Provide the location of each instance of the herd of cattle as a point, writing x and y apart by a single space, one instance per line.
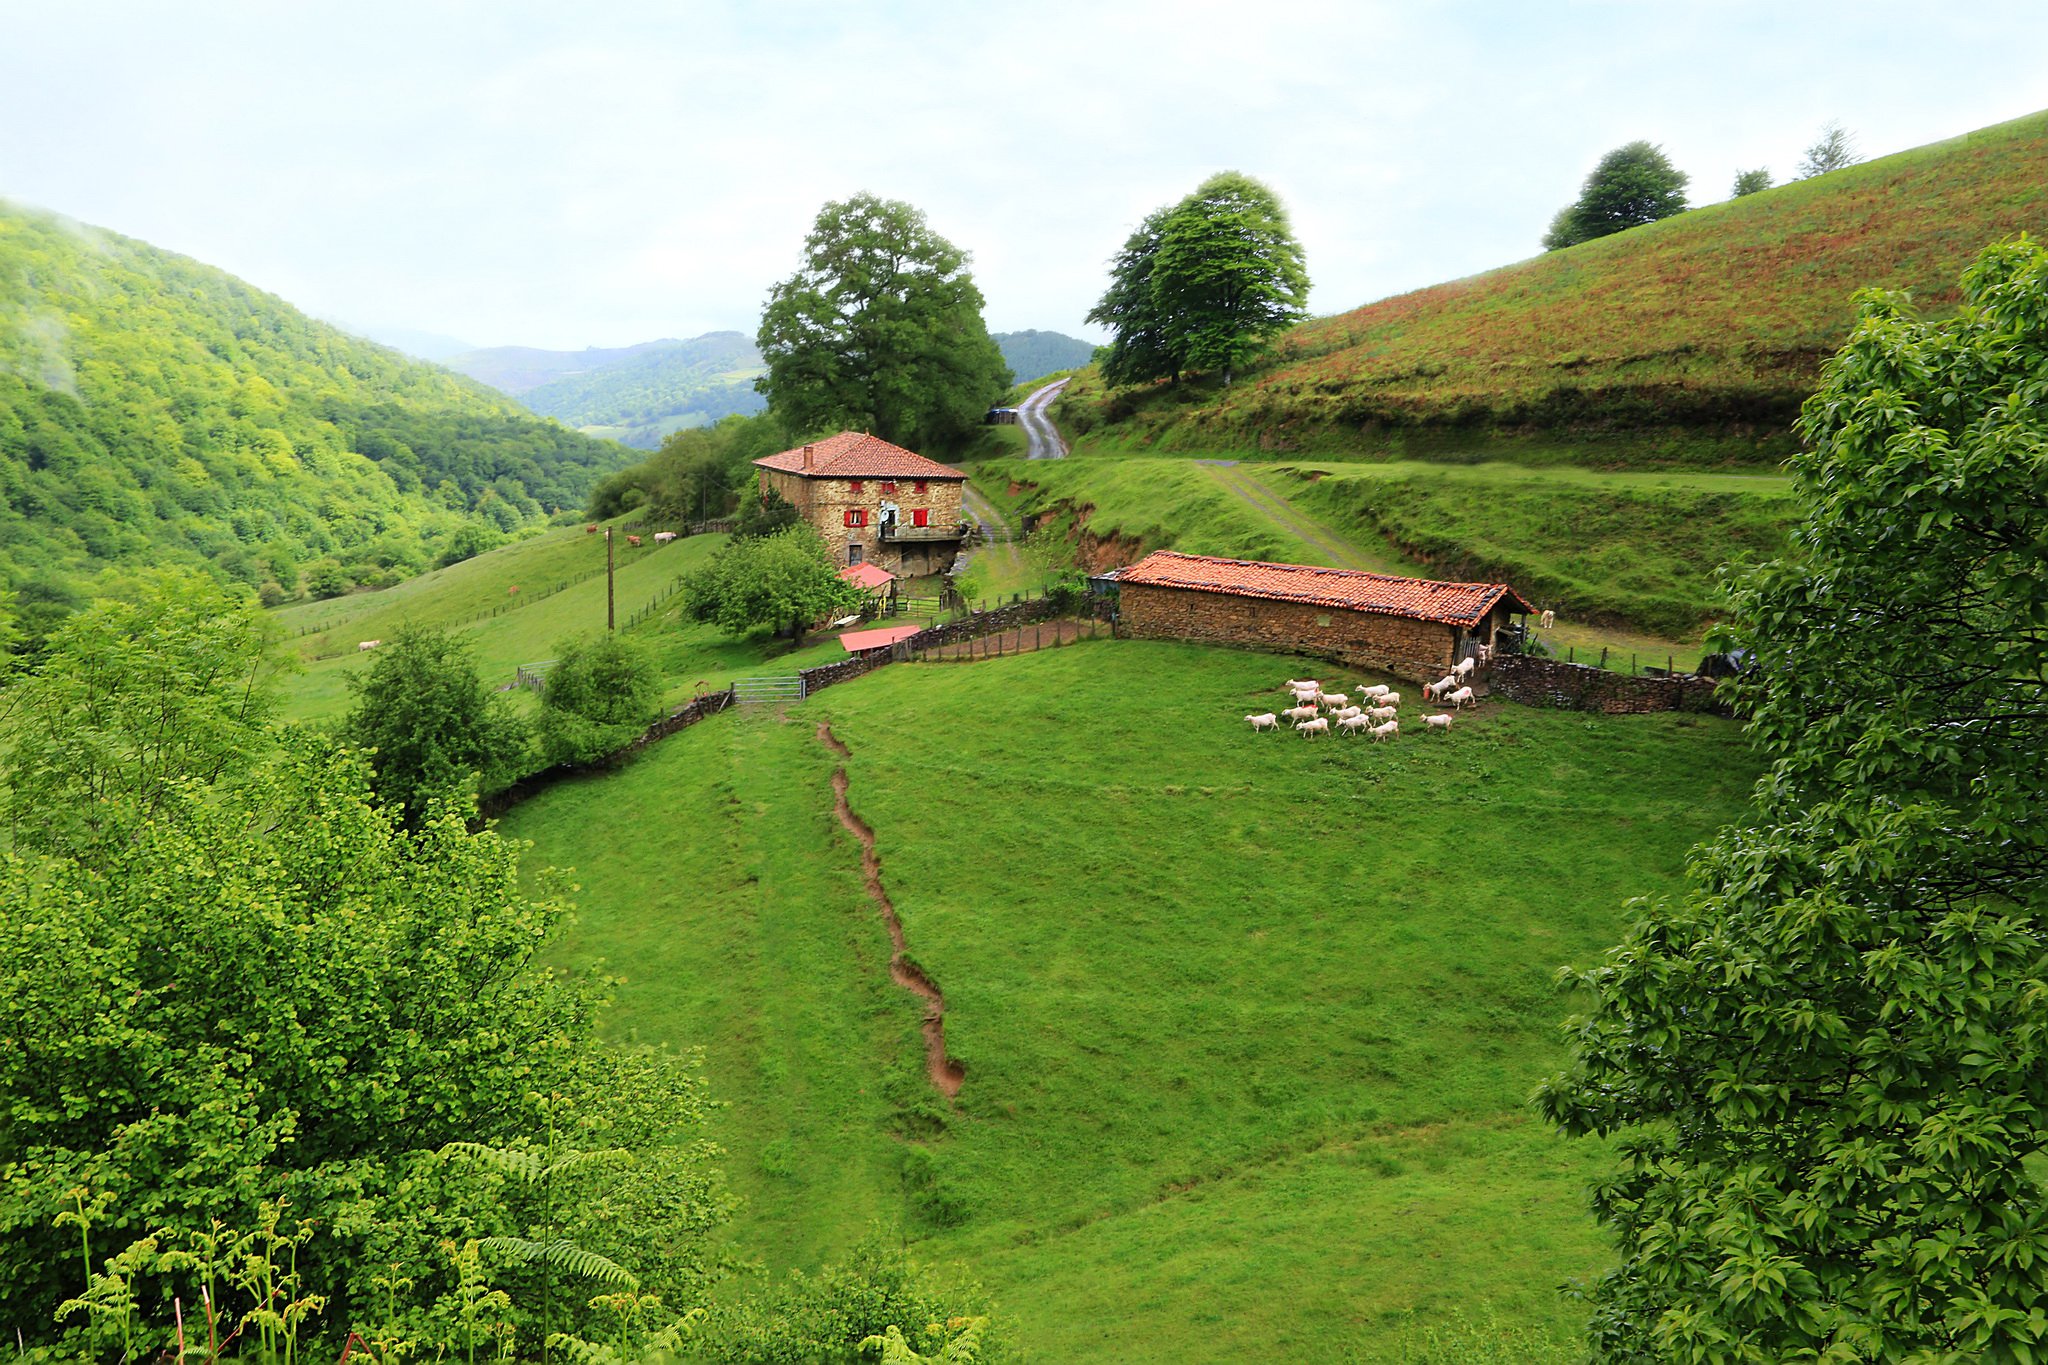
1377 711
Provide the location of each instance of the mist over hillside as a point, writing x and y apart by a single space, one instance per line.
155 410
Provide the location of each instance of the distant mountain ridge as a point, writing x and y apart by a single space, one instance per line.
1030 354
157 410
1706 327
633 394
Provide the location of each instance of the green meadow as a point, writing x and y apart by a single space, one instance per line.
1248 1021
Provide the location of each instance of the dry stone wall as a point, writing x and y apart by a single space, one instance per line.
1577 687
1397 645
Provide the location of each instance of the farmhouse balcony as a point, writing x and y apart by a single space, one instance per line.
897 531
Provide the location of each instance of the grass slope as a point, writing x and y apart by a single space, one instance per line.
1248 1022
1713 322
1636 549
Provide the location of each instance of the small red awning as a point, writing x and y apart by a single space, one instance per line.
867 575
857 640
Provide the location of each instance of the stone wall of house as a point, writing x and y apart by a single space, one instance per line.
1578 687
1397 645
825 502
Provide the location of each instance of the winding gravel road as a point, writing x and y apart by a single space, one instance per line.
1041 436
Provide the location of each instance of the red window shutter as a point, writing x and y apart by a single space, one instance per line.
860 516
858 485
921 487
850 515
888 489
920 517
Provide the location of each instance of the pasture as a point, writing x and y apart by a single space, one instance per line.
1248 1021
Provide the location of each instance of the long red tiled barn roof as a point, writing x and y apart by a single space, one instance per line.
1462 604
856 455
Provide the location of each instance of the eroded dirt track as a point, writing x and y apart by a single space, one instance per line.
946 1073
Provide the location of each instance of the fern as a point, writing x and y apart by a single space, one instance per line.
563 1254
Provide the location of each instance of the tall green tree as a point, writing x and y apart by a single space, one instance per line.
601 692
1634 184
1203 284
436 732
1826 1065
1144 344
880 329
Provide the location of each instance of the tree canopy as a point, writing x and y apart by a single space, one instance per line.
1634 184
880 329
1750 182
1827 1063
601 692
437 734
783 581
1831 151
1203 284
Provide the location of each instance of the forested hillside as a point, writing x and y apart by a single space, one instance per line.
1030 354
154 409
1707 328
655 389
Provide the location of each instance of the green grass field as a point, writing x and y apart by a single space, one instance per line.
1249 1022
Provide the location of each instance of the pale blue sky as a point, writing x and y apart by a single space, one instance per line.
602 173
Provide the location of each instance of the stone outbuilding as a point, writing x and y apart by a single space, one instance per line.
874 502
1412 628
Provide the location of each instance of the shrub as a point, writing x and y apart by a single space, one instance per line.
599 695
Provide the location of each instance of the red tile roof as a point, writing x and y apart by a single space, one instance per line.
867 574
856 455
857 640
1423 599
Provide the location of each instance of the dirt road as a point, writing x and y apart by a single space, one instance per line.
1041 436
1332 550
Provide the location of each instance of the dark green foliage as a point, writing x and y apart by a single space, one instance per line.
763 515
154 410
695 476
880 330
1750 182
1834 149
1203 284
439 735
785 582
130 699
1030 354
600 693
823 1320
641 397
1634 184
1827 1064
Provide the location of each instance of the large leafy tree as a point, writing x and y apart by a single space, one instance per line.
437 733
880 329
601 692
1827 1063
784 582
1634 184
1203 284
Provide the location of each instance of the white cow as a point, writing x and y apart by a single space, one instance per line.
664 537
368 644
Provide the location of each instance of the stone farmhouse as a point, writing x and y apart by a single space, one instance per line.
1409 627
875 503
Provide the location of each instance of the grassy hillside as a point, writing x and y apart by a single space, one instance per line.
153 409
636 395
1629 549
1248 1022
1701 333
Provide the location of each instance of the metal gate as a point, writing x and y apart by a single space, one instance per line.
746 691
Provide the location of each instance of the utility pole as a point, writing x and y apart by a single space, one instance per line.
610 619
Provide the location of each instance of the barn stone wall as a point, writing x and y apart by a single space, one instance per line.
825 502
1577 687
1398 645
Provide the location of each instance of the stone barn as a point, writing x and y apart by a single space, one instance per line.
875 503
1412 628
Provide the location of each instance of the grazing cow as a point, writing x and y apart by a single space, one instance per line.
664 537
1311 728
1268 721
368 644
512 591
1546 620
590 529
633 540
1437 722
1464 696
